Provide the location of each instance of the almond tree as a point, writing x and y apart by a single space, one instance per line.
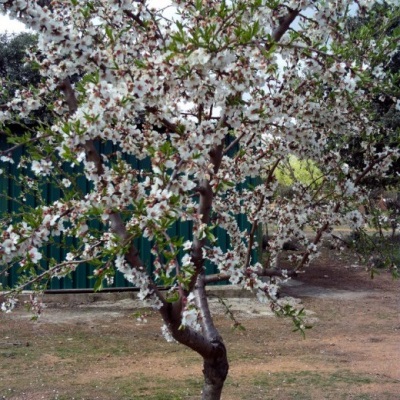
212 93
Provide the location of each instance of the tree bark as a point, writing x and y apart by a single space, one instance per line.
215 371
215 364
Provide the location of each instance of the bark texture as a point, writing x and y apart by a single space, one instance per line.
215 371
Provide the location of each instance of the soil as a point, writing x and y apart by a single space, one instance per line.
102 351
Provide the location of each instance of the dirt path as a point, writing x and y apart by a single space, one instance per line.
101 351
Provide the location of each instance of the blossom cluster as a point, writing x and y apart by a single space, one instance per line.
212 101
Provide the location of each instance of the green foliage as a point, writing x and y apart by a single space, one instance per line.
13 70
298 317
381 23
377 251
295 170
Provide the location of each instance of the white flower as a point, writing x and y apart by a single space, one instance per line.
8 246
354 219
42 167
236 276
312 247
7 159
345 168
187 245
34 255
190 318
349 187
66 183
9 305
198 57
273 290
187 260
82 229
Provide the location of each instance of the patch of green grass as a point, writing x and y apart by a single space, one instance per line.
312 378
366 396
311 385
140 386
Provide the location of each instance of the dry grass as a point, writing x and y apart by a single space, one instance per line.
351 353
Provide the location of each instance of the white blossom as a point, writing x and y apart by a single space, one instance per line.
42 167
34 255
9 305
354 219
178 127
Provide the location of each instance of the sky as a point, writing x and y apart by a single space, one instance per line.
10 26
14 26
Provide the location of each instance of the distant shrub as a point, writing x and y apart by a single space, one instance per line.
296 170
376 250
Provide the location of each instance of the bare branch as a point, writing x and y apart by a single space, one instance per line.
17 146
284 24
267 273
46 274
368 169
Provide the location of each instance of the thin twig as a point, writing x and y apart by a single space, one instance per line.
46 273
17 146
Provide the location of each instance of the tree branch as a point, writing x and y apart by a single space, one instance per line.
267 272
368 169
205 207
255 223
284 24
209 329
116 223
46 274
17 146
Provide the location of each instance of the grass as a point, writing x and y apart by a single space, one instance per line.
116 358
312 378
78 364
310 385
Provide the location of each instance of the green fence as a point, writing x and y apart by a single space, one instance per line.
10 193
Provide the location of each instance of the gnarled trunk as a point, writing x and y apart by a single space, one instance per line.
208 343
215 372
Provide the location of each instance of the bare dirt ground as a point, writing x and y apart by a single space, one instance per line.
101 351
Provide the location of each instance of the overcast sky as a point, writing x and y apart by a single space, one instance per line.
10 26
14 26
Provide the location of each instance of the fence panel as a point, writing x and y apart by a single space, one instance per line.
10 192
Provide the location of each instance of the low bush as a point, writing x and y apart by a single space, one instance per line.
379 251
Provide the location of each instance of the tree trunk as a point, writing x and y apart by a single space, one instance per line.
215 372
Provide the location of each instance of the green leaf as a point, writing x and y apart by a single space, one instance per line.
172 298
109 33
98 285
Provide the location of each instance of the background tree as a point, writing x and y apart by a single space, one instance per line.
14 72
368 30
222 93
17 73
